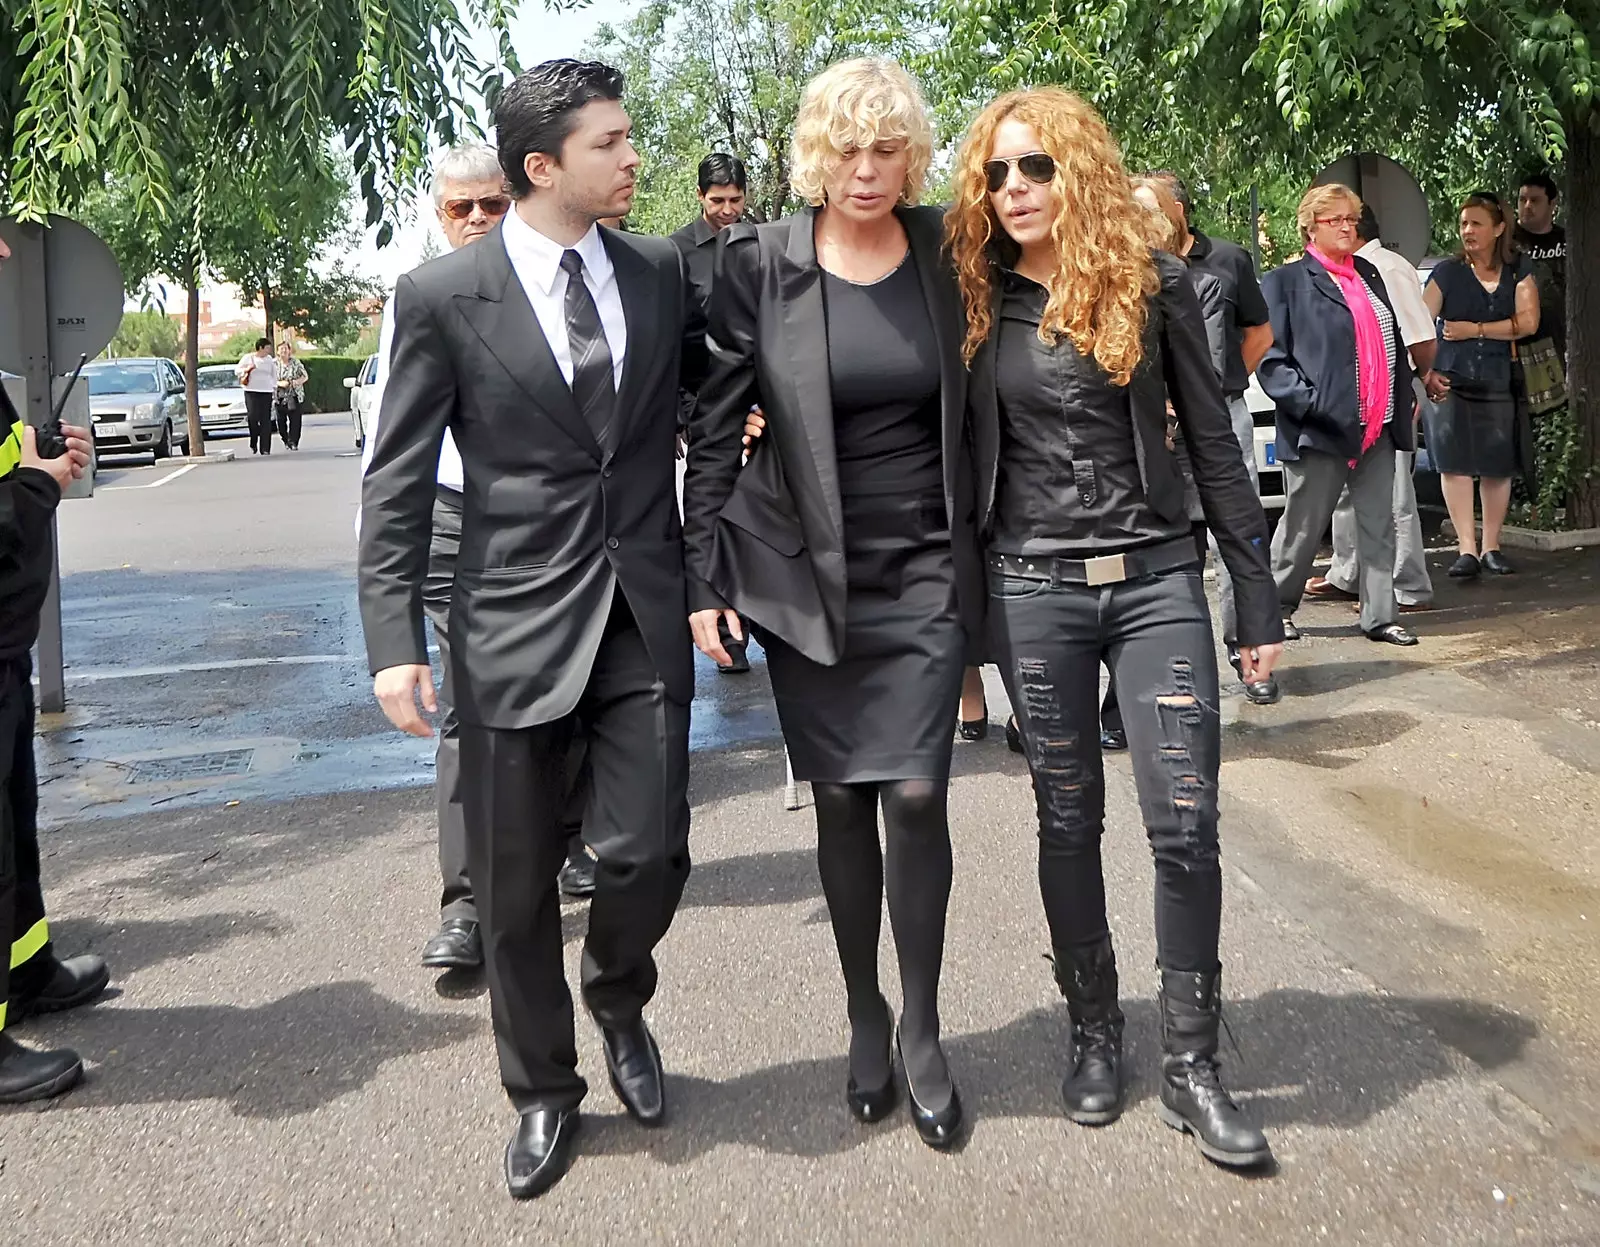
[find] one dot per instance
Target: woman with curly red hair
(1078, 334)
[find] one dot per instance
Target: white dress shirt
(1405, 292)
(537, 261)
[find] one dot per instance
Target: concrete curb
(211, 456)
(1534, 538)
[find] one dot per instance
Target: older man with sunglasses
(470, 198)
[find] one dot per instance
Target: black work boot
(28, 1074)
(1087, 976)
(1192, 1096)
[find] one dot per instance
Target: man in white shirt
(1413, 588)
(258, 374)
(470, 197)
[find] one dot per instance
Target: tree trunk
(191, 368)
(1583, 310)
(266, 309)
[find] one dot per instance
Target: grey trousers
(1244, 428)
(1412, 585)
(1312, 485)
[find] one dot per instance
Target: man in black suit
(551, 351)
(723, 186)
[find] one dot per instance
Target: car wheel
(163, 448)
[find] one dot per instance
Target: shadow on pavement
(1314, 679)
(1329, 743)
(275, 1060)
(129, 947)
(1329, 1061)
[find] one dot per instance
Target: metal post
(29, 258)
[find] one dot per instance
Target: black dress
(1473, 431)
(886, 710)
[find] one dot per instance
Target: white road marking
(91, 675)
(170, 476)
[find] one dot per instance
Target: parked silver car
(137, 405)
(221, 399)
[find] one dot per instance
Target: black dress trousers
(514, 788)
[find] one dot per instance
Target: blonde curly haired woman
(1079, 332)
(847, 540)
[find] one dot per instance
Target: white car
(363, 393)
(221, 399)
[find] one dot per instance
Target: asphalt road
(1409, 942)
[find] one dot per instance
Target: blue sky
(538, 35)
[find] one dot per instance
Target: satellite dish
(83, 289)
(1396, 200)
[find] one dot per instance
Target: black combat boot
(1092, 1089)
(1192, 1096)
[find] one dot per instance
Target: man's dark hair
(539, 111)
(1544, 182)
(1178, 187)
(1368, 230)
(721, 169)
(261, 342)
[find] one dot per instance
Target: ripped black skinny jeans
(1154, 633)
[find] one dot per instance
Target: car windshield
(122, 381)
(218, 379)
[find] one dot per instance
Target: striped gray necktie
(593, 385)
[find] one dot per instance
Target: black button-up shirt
(1068, 481)
(697, 240)
(1246, 307)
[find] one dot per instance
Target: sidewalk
(1409, 840)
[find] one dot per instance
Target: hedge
(325, 376)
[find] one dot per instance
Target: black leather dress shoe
(634, 1063)
(1260, 692)
(1393, 634)
(540, 1152)
(457, 945)
(941, 1130)
(26, 1074)
(1497, 564)
(1290, 632)
(576, 879)
(873, 1104)
(1113, 738)
(70, 983)
(1014, 736)
(1466, 567)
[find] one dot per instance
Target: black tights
(917, 880)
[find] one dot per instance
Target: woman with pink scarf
(1341, 380)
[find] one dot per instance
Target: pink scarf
(1373, 382)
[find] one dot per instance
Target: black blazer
(1309, 371)
(1177, 365)
(698, 242)
(551, 519)
(768, 539)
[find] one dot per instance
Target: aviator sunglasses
(461, 209)
(1036, 167)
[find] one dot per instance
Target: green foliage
(1562, 468)
(727, 75)
(325, 376)
(238, 346)
(147, 333)
(93, 86)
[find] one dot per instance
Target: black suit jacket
(551, 519)
(1177, 366)
(1309, 372)
(768, 540)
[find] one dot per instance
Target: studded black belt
(1108, 569)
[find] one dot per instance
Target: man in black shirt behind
(1545, 243)
(723, 185)
(1249, 334)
